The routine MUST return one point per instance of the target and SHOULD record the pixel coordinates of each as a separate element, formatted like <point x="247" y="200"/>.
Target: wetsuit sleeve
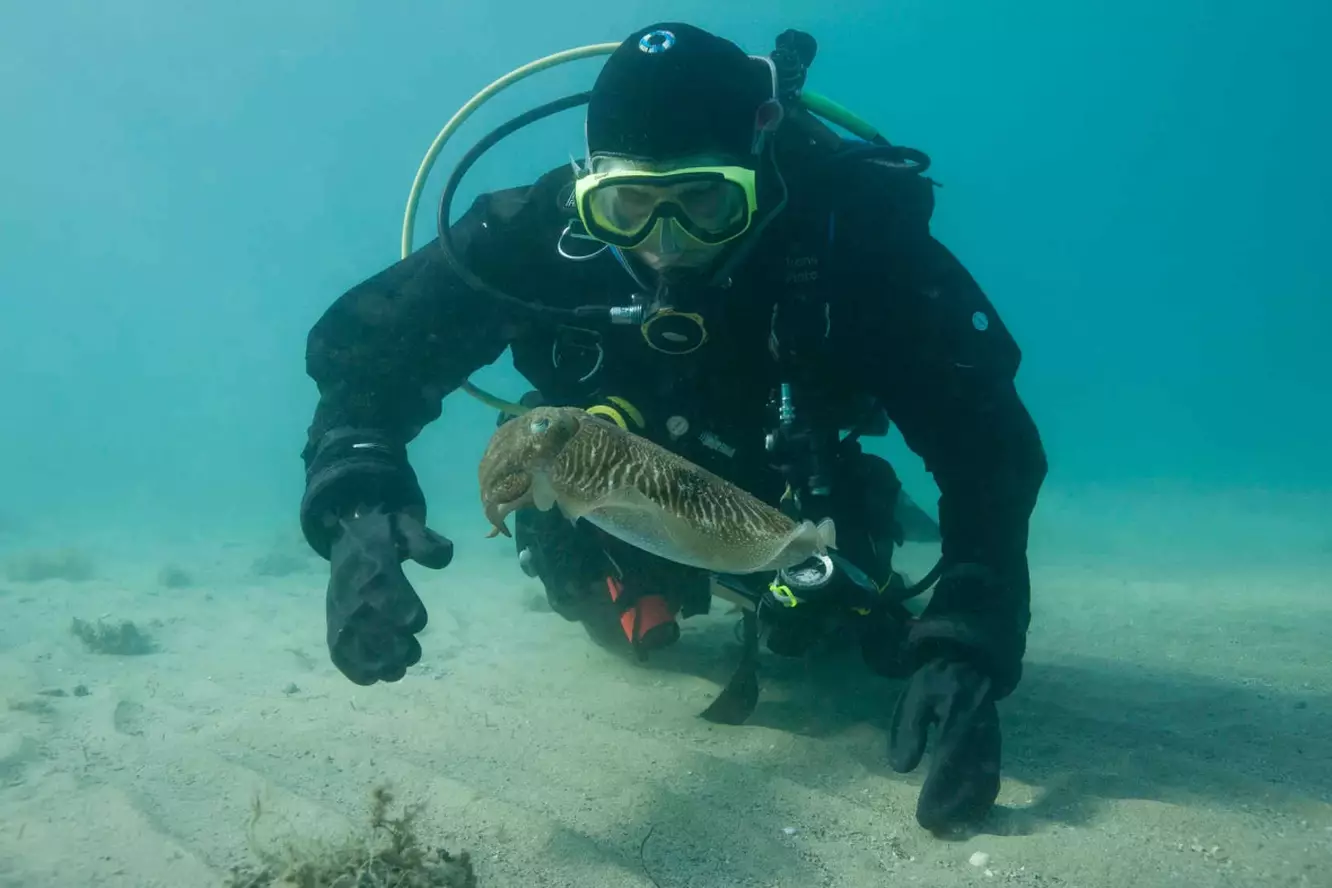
<point x="386" y="353"/>
<point x="944" y="367"/>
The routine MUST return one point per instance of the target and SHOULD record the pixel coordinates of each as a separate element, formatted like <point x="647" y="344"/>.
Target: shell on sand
<point x="639" y="492"/>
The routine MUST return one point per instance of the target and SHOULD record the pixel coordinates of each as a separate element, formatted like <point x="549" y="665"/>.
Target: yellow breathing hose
<point x="423" y="172"/>
<point x="817" y="104"/>
<point x="457" y="120"/>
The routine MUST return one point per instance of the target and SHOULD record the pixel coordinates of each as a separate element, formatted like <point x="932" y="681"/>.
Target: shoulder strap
<point x="800" y="312"/>
<point x="890" y="178"/>
<point x="808" y="420"/>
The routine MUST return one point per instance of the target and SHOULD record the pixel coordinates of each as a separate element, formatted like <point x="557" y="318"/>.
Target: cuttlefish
<point x="639" y="492"/>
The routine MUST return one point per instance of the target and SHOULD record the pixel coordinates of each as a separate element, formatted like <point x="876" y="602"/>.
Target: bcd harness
<point x="806" y="415"/>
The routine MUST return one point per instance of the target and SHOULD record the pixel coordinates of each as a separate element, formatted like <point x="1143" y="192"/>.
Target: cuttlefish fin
<point x="826" y="533"/>
<point x="820" y="537"/>
<point x="630" y="501"/>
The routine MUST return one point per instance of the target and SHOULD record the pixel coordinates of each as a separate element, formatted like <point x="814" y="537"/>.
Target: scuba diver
<point x="730" y="278"/>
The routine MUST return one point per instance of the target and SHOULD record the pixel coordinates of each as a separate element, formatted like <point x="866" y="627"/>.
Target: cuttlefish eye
<point x="539" y="426"/>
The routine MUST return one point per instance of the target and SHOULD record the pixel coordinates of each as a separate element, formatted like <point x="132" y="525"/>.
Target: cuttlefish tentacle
<point x="512" y="493"/>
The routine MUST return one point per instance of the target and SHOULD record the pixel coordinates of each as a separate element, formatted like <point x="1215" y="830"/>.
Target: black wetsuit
<point x="906" y="326"/>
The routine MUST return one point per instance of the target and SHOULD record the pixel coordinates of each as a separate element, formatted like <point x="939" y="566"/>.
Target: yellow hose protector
<point x="815" y="103"/>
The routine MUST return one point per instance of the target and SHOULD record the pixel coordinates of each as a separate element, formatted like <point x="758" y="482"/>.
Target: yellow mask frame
<point x="666" y="203"/>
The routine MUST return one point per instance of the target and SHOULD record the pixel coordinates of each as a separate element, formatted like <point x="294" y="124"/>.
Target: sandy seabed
<point x="1174" y="728"/>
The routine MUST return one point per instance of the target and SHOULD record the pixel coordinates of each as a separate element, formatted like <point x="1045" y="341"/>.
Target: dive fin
<point x="916" y="524"/>
<point x="737" y="701"/>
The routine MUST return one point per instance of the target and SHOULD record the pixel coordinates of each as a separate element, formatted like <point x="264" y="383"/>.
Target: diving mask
<point x="712" y="204"/>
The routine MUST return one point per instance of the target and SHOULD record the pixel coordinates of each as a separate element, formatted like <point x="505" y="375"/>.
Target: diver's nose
<point x="668" y="238"/>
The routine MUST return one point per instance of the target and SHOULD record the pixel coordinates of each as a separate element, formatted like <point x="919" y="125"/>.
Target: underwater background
<point x="1142" y="189"/>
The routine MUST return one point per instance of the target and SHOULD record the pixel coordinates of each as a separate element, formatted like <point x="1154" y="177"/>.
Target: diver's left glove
<point x="963" y="780"/>
<point x="364" y="511"/>
<point x="966" y="651"/>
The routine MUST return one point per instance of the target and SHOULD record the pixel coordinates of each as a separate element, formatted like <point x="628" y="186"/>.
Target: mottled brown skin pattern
<point x="602" y="457"/>
<point x="587" y="458"/>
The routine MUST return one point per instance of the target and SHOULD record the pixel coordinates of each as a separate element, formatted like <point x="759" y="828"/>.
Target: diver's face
<point x="669" y="246"/>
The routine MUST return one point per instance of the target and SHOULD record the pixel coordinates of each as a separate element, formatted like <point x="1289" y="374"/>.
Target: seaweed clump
<point x="122" y="639"/>
<point x="389" y="854"/>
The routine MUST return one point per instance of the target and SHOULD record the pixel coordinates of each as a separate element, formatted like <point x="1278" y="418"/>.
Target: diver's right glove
<point x="374" y="614"/>
<point x="363" y="510"/>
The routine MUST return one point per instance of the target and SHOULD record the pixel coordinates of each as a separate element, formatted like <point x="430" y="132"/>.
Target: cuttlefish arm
<point x="509" y="494"/>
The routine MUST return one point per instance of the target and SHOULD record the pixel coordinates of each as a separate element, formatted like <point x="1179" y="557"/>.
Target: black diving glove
<point x="363" y="510"/>
<point x="374" y="614"/>
<point x="963" y="779"/>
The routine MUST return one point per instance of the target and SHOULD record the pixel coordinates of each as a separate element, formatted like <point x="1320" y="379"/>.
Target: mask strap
<point x="772" y="69"/>
<point x="766" y="121"/>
